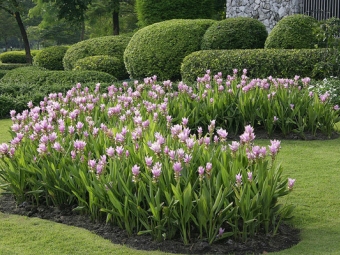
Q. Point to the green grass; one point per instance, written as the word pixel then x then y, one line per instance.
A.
pixel 314 164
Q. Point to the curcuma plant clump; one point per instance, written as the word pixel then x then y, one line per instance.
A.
pixel 122 157
pixel 274 105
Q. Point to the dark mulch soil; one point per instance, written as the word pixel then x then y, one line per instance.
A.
pixel 261 244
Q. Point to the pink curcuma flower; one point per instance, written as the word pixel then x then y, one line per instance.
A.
pixel 234 146
pixel 222 134
pixel 250 176
pixel 177 167
pixel 291 183
pixel 238 180
pixel 57 146
pixel 248 135
pixel 274 147
pixel 135 170
pixel 336 107
pixel 185 121
pixel 148 161
pixel 4 149
pixel 157 170
pixel 110 151
pixel 156 147
pixel 120 150
pixel 79 145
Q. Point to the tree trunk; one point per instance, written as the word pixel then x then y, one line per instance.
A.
pixel 115 18
pixel 82 35
pixel 24 37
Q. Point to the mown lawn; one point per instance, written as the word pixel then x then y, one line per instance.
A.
pixel 314 164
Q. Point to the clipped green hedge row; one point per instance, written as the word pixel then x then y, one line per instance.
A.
pixel 11 66
pixel 38 76
pixel 113 46
pixel 159 49
pixel 51 58
pixel 15 57
pixel 260 63
pixel 235 33
pixel 2 73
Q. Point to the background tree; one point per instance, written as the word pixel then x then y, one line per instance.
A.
pixel 52 29
pixel 15 8
pixel 105 17
pixel 9 30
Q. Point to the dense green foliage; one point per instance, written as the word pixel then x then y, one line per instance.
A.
pixel 15 56
pixel 51 58
pixel 259 62
pixel 151 11
pixel 235 33
pixel 11 66
pixel 2 73
pixel 159 49
pixel 293 32
pixel 108 45
pixel 103 63
pixel 33 75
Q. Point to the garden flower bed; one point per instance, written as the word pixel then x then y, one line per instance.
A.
pixel 157 161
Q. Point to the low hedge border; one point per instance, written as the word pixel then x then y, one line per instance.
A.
pixel 39 76
pixel 16 56
pixel 260 63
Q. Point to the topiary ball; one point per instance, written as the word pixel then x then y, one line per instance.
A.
pixel 113 46
pixel 103 63
pixel 293 32
pixel 159 49
pixel 235 33
pixel 51 58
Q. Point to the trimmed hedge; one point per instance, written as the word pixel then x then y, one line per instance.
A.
pixel 235 33
pixel 11 66
pixel 108 45
pixel 103 63
pixel 260 63
pixel 151 11
pixel 159 49
pixel 293 32
pixel 51 58
pixel 15 57
pixel 2 73
pixel 38 76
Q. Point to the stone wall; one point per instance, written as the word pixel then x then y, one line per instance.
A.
pixel 269 12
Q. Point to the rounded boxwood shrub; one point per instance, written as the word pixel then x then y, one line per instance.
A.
pixel 260 63
pixel 113 46
pixel 159 49
pixel 293 32
pixel 103 63
pixel 51 58
pixel 15 57
pixel 235 33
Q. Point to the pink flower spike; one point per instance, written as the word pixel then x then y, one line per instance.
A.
pixel 110 151
pixel 185 121
pixel 291 183
pixel 157 170
pixel 135 170
pixel 238 179
pixel 200 170
pixel 250 176
pixel 177 167
pixel 148 161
